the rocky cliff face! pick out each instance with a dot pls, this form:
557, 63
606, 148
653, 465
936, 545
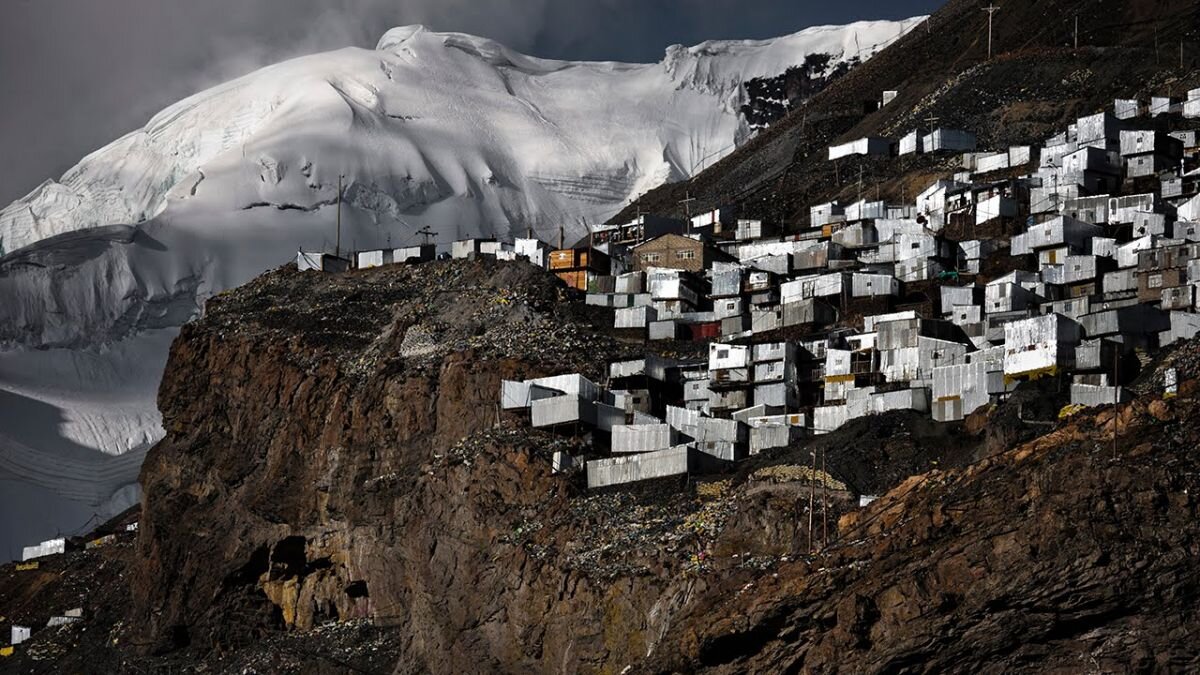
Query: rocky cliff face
1064, 554
335, 453
338, 493
314, 470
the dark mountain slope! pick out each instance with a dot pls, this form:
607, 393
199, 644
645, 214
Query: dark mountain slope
1036, 84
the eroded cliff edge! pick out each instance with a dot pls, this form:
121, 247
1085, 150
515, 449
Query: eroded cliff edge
335, 458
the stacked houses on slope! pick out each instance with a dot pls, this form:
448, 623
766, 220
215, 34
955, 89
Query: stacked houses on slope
1065, 258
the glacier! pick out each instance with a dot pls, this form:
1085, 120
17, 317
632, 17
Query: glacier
430, 129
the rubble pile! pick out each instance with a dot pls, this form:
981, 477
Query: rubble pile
415, 315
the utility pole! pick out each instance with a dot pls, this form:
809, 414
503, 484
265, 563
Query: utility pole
427, 233
931, 120
991, 10
824, 503
338, 244
812, 494
1076, 32
687, 208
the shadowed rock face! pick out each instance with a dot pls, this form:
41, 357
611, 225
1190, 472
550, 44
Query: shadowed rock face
322, 465
313, 472
1059, 555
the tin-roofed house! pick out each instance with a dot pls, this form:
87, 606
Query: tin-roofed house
415, 254
949, 140
579, 266
1148, 153
1093, 169
1162, 276
1102, 131
962, 388
467, 248
375, 258
642, 228
1011, 293
722, 220
535, 250
321, 262
1056, 238
870, 146
1040, 345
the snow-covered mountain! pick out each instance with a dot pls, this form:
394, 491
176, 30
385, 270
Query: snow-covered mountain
445, 130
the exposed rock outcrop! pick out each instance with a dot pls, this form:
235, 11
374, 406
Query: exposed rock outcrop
337, 492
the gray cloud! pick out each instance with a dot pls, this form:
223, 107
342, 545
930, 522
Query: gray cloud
75, 74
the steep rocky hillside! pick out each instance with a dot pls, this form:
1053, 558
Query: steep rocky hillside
1064, 554
338, 493
1036, 84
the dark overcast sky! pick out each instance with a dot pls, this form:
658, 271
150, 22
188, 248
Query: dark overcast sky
75, 74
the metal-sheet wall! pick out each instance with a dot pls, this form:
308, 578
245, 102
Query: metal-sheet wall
619, 470
627, 438
548, 412
829, 418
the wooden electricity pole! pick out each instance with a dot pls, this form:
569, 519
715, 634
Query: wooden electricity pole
991, 10
824, 503
1076, 32
812, 497
687, 208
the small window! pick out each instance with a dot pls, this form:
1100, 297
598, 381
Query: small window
722, 353
689, 254
651, 257
1155, 281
